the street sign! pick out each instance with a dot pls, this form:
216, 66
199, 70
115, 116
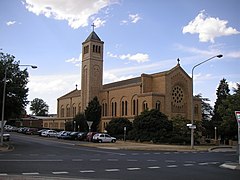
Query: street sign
237, 113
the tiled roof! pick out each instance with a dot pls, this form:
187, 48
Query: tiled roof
74, 93
122, 83
93, 36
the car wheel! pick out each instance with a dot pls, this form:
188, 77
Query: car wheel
113, 141
100, 141
48, 135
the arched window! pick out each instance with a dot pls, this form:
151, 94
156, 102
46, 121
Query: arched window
114, 108
158, 105
196, 109
68, 110
145, 106
94, 48
135, 106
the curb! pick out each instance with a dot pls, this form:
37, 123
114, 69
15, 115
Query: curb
231, 148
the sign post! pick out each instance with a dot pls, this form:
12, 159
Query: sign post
237, 114
89, 125
124, 135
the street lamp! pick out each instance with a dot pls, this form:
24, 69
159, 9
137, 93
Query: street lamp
3, 100
192, 105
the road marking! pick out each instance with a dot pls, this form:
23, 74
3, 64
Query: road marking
3, 174
112, 170
213, 162
156, 153
31, 160
172, 166
133, 169
61, 172
33, 154
187, 165
151, 160
203, 163
166, 153
134, 154
190, 162
77, 160
154, 167
33, 173
112, 159
146, 153
87, 171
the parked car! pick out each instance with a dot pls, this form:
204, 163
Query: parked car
6, 137
100, 137
32, 131
90, 136
73, 136
62, 134
40, 131
49, 133
82, 136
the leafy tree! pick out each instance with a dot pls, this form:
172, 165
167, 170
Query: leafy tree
81, 123
227, 110
207, 113
16, 86
151, 125
39, 107
116, 127
93, 113
222, 94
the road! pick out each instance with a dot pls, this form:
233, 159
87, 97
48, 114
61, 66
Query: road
38, 156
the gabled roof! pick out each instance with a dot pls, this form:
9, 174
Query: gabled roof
122, 83
74, 93
93, 36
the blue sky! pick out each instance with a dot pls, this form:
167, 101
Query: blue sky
140, 36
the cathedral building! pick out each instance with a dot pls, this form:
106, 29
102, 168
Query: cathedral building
169, 91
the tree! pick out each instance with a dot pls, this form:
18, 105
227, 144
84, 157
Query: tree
228, 126
93, 113
207, 113
81, 123
151, 125
116, 127
39, 107
16, 86
222, 94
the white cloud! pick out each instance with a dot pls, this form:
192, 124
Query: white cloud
99, 22
76, 12
51, 87
208, 28
10, 23
132, 18
139, 57
74, 60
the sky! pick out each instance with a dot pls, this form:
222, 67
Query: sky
140, 36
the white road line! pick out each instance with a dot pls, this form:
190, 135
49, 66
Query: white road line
213, 162
33, 173
187, 165
154, 167
134, 154
31, 160
146, 153
172, 166
113, 160
77, 160
190, 162
156, 153
87, 171
151, 160
203, 163
33, 154
3, 174
112, 170
60, 172
133, 169
166, 153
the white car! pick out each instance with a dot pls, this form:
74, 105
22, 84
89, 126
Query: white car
49, 133
101, 137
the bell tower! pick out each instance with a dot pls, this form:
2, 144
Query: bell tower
92, 68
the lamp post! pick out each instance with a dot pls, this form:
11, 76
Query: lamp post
215, 134
192, 105
3, 100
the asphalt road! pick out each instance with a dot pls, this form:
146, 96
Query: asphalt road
49, 157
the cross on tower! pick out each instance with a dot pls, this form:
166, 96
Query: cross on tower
178, 60
93, 26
